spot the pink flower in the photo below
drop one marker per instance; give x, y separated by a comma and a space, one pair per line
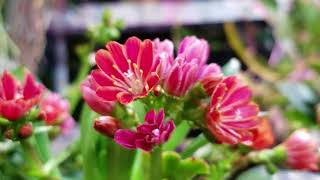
15, 99
210, 76
163, 55
152, 133
301, 151
231, 114
180, 75
67, 125
88, 89
263, 135
127, 71
191, 48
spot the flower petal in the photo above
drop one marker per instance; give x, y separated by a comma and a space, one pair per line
9, 86
116, 50
150, 117
153, 80
30, 88
132, 48
145, 59
105, 62
125, 98
101, 78
125, 138
108, 93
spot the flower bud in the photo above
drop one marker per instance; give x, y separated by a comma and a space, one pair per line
8, 133
25, 131
107, 125
301, 151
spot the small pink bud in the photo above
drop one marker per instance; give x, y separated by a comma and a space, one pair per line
302, 151
107, 125
25, 131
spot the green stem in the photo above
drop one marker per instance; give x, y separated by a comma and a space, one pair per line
32, 158
155, 166
195, 145
54, 162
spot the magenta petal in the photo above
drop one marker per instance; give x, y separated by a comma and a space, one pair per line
105, 62
125, 138
9, 86
153, 80
146, 128
101, 78
145, 59
125, 98
160, 117
239, 96
144, 145
108, 93
31, 88
217, 94
116, 50
150, 117
132, 48
174, 80
96, 103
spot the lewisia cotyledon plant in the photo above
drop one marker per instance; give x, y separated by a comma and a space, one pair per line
153, 132
231, 113
262, 135
17, 99
128, 71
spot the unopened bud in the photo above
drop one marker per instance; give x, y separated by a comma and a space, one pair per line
8, 133
107, 125
25, 131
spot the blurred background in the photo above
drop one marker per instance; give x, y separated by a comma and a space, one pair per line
275, 42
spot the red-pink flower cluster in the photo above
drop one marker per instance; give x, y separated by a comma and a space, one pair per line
179, 75
302, 151
17, 99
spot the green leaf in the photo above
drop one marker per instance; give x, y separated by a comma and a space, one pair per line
140, 166
190, 167
170, 163
174, 168
196, 143
177, 137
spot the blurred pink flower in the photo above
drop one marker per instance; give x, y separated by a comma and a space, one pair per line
128, 70
15, 99
68, 124
55, 110
152, 133
232, 115
302, 151
88, 90
302, 73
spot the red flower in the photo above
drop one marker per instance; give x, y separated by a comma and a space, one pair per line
127, 71
163, 55
15, 99
302, 151
88, 89
232, 115
263, 135
153, 132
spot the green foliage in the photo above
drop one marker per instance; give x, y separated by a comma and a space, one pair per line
174, 168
